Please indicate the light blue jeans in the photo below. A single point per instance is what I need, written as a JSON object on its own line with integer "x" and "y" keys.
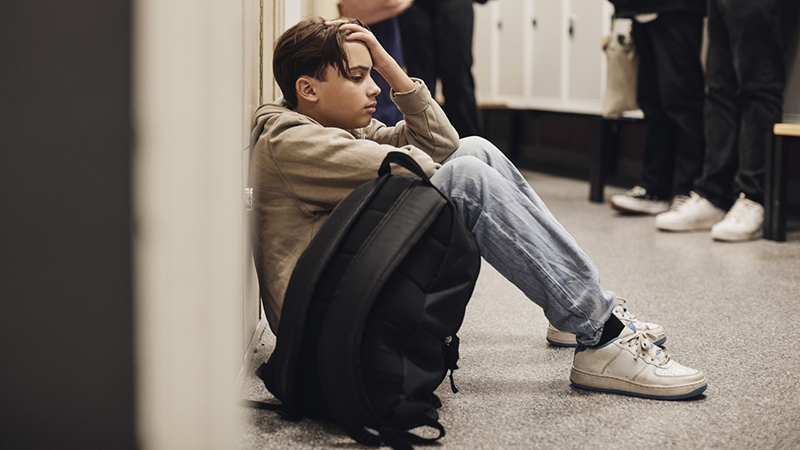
{"x": 520, "y": 238}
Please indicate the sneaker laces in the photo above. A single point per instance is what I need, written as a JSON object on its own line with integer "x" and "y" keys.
{"x": 688, "y": 203}
{"x": 677, "y": 201}
{"x": 636, "y": 191}
{"x": 642, "y": 341}
{"x": 622, "y": 312}
{"x": 741, "y": 209}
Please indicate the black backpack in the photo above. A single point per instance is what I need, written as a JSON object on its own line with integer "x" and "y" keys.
{"x": 369, "y": 321}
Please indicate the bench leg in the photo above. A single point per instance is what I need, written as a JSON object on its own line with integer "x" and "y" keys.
{"x": 517, "y": 132}
{"x": 776, "y": 171}
{"x": 603, "y": 143}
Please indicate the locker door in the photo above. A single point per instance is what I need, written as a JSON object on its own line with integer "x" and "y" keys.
{"x": 482, "y": 45}
{"x": 585, "y": 53}
{"x": 548, "y": 37}
{"x": 512, "y": 38}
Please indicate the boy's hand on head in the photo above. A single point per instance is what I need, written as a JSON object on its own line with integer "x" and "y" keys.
{"x": 381, "y": 59}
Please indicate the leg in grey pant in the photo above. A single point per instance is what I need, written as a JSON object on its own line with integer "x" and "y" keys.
{"x": 520, "y": 238}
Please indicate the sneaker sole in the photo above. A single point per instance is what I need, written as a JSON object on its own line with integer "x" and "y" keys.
{"x": 562, "y": 344}
{"x": 642, "y": 211}
{"x": 736, "y": 237}
{"x": 684, "y": 227}
{"x": 615, "y": 386}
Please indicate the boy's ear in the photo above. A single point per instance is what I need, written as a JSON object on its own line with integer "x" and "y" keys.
{"x": 305, "y": 89}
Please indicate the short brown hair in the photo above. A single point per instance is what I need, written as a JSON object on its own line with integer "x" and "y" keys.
{"x": 308, "y": 48}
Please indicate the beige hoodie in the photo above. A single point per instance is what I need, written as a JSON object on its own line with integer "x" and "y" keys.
{"x": 301, "y": 170}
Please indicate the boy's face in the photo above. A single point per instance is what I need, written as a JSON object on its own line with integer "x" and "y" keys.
{"x": 347, "y": 102}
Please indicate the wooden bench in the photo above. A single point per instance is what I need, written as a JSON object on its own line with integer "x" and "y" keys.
{"x": 776, "y": 166}
{"x": 604, "y": 141}
{"x": 603, "y": 158}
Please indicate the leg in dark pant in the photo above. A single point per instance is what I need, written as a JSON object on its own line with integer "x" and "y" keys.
{"x": 454, "y": 27}
{"x": 388, "y": 34}
{"x": 437, "y": 43}
{"x": 418, "y": 36}
{"x": 658, "y": 162}
{"x": 670, "y": 94}
{"x": 746, "y": 77}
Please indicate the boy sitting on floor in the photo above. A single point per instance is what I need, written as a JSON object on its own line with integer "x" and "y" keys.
{"x": 319, "y": 142}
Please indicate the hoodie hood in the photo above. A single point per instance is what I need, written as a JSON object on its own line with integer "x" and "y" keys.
{"x": 262, "y": 115}
{"x": 280, "y": 109}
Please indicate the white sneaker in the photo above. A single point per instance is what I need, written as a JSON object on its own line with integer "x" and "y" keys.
{"x": 638, "y": 201}
{"x": 677, "y": 201}
{"x": 631, "y": 365}
{"x": 744, "y": 221}
{"x": 560, "y": 338}
{"x": 695, "y": 213}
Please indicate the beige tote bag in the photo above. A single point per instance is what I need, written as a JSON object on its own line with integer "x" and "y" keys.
{"x": 623, "y": 68}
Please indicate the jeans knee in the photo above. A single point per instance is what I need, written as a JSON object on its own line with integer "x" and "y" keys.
{"x": 467, "y": 174}
{"x": 480, "y": 148}
{"x": 475, "y": 143}
{"x": 466, "y": 165}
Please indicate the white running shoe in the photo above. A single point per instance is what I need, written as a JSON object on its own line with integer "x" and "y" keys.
{"x": 695, "y": 213}
{"x": 560, "y": 338}
{"x": 631, "y": 365}
{"x": 638, "y": 201}
{"x": 744, "y": 221}
{"x": 677, "y": 201}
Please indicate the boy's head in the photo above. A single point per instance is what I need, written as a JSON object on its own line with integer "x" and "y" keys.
{"x": 321, "y": 72}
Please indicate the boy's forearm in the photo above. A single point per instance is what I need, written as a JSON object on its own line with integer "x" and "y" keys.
{"x": 396, "y": 77}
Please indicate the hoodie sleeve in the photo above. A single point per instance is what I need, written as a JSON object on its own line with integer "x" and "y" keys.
{"x": 425, "y": 127}
{"x": 320, "y": 166}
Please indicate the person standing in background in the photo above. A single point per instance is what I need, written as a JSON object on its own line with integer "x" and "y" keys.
{"x": 437, "y": 43}
{"x": 745, "y": 74}
{"x": 668, "y": 35}
{"x": 381, "y": 16}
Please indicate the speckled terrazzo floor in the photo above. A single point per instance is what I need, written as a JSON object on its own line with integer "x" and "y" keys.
{"x": 732, "y": 310}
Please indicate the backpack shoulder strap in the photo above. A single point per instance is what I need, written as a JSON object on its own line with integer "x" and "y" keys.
{"x": 282, "y": 410}
{"x": 340, "y": 340}
{"x": 304, "y": 278}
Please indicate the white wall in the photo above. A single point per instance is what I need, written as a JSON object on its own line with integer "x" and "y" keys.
{"x": 188, "y": 121}
{"x": 326, "y": 9}
{"x": 292, "y": 12}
